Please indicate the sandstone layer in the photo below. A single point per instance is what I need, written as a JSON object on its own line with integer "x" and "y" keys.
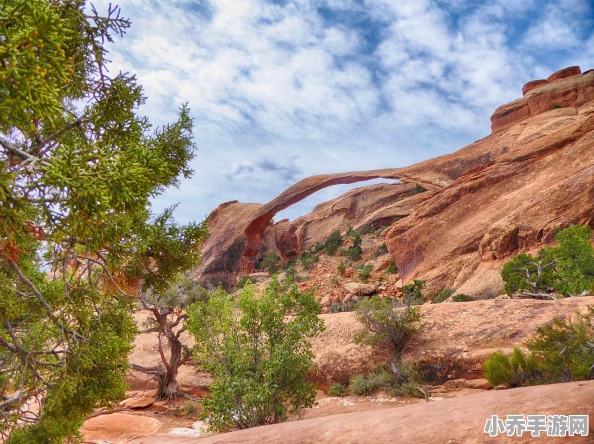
{"x": 456, "y": 420}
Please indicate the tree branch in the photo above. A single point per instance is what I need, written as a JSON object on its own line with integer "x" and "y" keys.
{"x": 43, "y": 143}
{"x": 23, "y": 155}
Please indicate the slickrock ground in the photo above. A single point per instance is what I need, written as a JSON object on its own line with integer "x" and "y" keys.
{"x": 455, "y": 421}
{"x": 457, "y": 337}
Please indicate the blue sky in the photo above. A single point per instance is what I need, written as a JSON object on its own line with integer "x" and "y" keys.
{"x": 284, "y": 89}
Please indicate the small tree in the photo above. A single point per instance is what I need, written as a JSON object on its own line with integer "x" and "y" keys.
{"x": 567, "y": 269}
{"x": 166, "y": 308}
{"x": 413, "y": 292}
{"x": 388, "y": 324}
{"x": 258, "y": 353}
{"x": 532, "y": 276}
{"x": 270, "y": 262}
{"x": 332, "y": 243}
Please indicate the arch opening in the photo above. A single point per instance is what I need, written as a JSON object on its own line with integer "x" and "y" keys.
{"x": 308, "y": 204}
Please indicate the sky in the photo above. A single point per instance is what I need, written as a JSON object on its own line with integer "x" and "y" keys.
{"x": 285, "y": 89}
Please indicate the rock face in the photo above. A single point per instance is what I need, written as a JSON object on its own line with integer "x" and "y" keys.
{"x": 565, "y": 88}
{"x": 503, "y": 194}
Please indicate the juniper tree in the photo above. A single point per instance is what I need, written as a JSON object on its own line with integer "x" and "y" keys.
{"x": 566, "y": 269}
{"x": 77, "y": 234}
{"x": 167, "y": 318}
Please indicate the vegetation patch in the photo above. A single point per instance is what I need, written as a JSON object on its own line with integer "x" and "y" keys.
{"x": 562, "y": 351}
{"x": 442, "y": 295}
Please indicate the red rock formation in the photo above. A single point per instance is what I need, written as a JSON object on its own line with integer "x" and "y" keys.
{"x": 565, "y": 88}
{"x": 502, "y": 194}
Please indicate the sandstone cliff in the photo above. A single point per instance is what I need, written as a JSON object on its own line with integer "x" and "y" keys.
{"x": 486, "y": 202}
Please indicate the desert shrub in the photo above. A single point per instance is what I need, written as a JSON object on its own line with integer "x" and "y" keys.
{"x": 514, "y": 370}
{"x": 413, "y": 292}
{"x": 337, "y": 390}
{"x": 567, "y": 269}
{"x": 388, "y": 324}
{"x": 409, "y": 383}
{"x": 462, "y": 298}
{"x": 392, "y": 269}
{"x": 332, "y": 243}
{"x": 290, "y": 270}
{"x": 564, "y": 349}
{"x": 556, "y": 106}
{"x": 308, "y": 260}
{"x": 244, "y": 280}
{"x": 343, "y": 307}
{"x": 259, "y": 353}
{"x": 419, "y": 189}
{"x": 559, "y": 352}
{"x": 354, "y": 252}
{"x": 270, "y": 262}
{"x": 191, "y": 408}
{"x": 364, "y": 271}
{"x": 361, "y": 385}
{"x": 318, "y": 248}
{"x": 382, "y": 249}
{"x": 342, "y": 268}
{"x": 442, "y": 296}
{"x": 406, "y": 383}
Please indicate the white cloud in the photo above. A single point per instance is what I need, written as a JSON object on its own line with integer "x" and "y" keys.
{"x": 294, "y": 83}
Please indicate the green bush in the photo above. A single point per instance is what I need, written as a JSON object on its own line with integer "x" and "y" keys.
{"x": 361, "y": 385}
{"x": 462, "y": 298}
{"x": 332, "y": 243}
{"x": 269, "y": 262}
{"x": 319, "y": 247}
{"x": 342, "y": 268}
{"x": 364, "y": 271}
{"x": 564, "y": 349}
{"x": 191, "y": 408}
{"x": 259, "y": 353}
{"x": 387, "y": 323}
{"x": 514, "y": 370}
{"x": 392, "y": 269}
{"x": 559, "y": 352}
{"x": 382, "y": 249}
{"x": 442, "y": 296}
{"x": 354, "y": 252}
{"x": 308, "y": 260}
{"x": 244, "y": 280}
{"x": 407, "y": 382}
{"x": 413, "y": 292}
{"x": 419, "y": 189}
{"x": 556, "y": 106}
{"x": 337, "y": 390}
{"x": 341, "y": 308}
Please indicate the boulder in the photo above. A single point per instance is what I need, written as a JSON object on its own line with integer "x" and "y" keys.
{"x": 140, "y": 400}
{"x": 381, "y": 263}
{"x": 358, "y": 289}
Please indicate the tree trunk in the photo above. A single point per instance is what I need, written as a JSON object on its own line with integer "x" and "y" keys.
{"x": 169, "y": 388}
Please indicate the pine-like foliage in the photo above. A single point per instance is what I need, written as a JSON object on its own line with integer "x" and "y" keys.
{"x": 258, "y": 352}
{"x": 76, "y": 231}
